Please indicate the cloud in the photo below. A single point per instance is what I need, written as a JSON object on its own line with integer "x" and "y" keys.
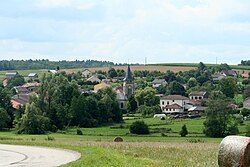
{"x": 118, "y": 30}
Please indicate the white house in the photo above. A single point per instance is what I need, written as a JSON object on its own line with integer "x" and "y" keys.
{"x": 157, "y": 82}
{"x": 11, "y": 74}
{"x": 86, "y": 73}
{"x": 198, "y": 95}
{"x": 174, "y": 104}
{"x": 33, "y": 75}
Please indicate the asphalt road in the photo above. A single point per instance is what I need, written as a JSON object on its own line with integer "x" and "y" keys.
{"x": 33, "y": 156}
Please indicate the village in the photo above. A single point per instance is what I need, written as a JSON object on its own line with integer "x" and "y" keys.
{"x": 180, "y": 96}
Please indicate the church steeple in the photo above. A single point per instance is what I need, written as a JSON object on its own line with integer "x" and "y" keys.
{"x": 128, "y": 76}
{"x": 128, "y": 85}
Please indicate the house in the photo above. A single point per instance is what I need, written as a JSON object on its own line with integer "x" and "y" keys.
{"x": 174, "y": 103}
{"x": 21, "y": 90}
{"x": 157, "y": 82}
{"x": 31, "y": 86}
{"x": 197, "y": 110}
{"x": 86, "y": 73}
{"x": 245, "y": 75}
{"x": 10, "y": 74}
{"x": 231, "y": 73}
{"x": 100, "y": 86}
{"x": 217, "y": 77}
{"x": 246, "y": 103}
{"x": 33, "y": 76}
{"x": 198, "y": 95}
{"x": 94, "y": 79}
{"x": 18, "y": 101}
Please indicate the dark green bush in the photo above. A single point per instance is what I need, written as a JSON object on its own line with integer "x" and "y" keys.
{"x": 139, "y": 127}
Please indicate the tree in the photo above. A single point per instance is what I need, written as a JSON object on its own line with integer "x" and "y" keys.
{"x": 201, "y": 67}
{"x": 246, "y": 93}
{"x": 139, "y": 127}
{"x": 183, "y": 131}
{"x": 219, "y": 121}
{"x": 175, "y": 88}
{"x": 146, "y": 97}
{"x": 228, "y": 86}
{"x": 131, "y": 104}
{"x": 112, "y": 73}
{"x": 4, "y": 117}
{"x": 192, "y": 82}
{"x": 33, "y": 121}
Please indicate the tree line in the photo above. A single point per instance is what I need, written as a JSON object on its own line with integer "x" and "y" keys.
{"x": 46, "y": 64}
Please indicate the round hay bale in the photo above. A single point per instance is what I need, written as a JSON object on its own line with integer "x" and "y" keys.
{"x": 234, "y": 151}
{"x": 118, "y": 139}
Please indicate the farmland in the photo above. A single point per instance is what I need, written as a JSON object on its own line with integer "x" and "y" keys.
{"x": 133, "y": 68}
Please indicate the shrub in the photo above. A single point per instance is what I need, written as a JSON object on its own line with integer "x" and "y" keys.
{"x": 50, "y": 138}
{"x": 139, "y": 127}
{"x": 183, "y": 131}
{"x": 79, "y": 132}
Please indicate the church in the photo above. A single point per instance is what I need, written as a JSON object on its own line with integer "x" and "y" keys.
{"x": 127, "y": 89}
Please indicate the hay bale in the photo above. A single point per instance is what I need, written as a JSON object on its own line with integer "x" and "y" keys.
{"x": 118, "y": 139}
{"x": 234, "y": 151}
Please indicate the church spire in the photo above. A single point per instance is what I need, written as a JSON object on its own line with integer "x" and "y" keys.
{"x": 128, "y": 76}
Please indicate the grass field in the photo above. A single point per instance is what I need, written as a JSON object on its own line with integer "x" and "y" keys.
{"x": 98, "y": 150}
{"x": 24, "y": 73}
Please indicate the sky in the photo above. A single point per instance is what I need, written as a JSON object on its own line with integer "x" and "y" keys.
{"x": 126, "y": 31}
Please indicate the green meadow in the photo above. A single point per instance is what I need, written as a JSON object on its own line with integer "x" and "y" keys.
{"x": 162, "y": 147}
{"x": 24, "y": 73}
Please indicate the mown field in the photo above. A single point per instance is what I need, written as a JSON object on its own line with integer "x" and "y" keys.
{"x": 133, "y": 68}
{"x": 24, "y": 73}
{"x": 163, "y": 147}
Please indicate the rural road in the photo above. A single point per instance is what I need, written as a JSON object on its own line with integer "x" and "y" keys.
{"x": 33, "y": 156}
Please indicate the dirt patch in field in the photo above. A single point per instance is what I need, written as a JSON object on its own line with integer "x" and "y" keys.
{"x": 133, "y": 68}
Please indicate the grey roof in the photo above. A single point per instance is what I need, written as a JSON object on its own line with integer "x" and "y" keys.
{"x": 158, "y": 81}
{"x": 32, "y": 75}
{"x": 11, "y": 73}
{"x": 197, "y": 93}
{"x": 128, "y": 76}
{"x": 174, "y": 97}
{"x": 229, "y": 72}
{"x": 173, "y": 106}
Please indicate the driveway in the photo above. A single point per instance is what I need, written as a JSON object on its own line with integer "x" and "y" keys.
{"x": 33, "y": 156}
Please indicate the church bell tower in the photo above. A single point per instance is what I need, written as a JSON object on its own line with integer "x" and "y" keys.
{"x": 128, "y": 84}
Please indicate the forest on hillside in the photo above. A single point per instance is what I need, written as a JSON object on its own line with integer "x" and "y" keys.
{"x": 46, "y": 64}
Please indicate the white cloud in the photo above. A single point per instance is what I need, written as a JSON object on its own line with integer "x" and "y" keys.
{"x": 118, "y": 30}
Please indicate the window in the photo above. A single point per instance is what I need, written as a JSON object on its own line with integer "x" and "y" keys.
{"x": 173, "y": 109}
{"x": 162, "y": 103}
{"x": 200, "y": 97}
{"x": 122, "y": 105}
{"x": 173, "y": 100}
{"x": 168, "y": 103}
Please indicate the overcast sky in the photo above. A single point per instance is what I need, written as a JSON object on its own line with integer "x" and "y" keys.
{"x": 164, "y": 31}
